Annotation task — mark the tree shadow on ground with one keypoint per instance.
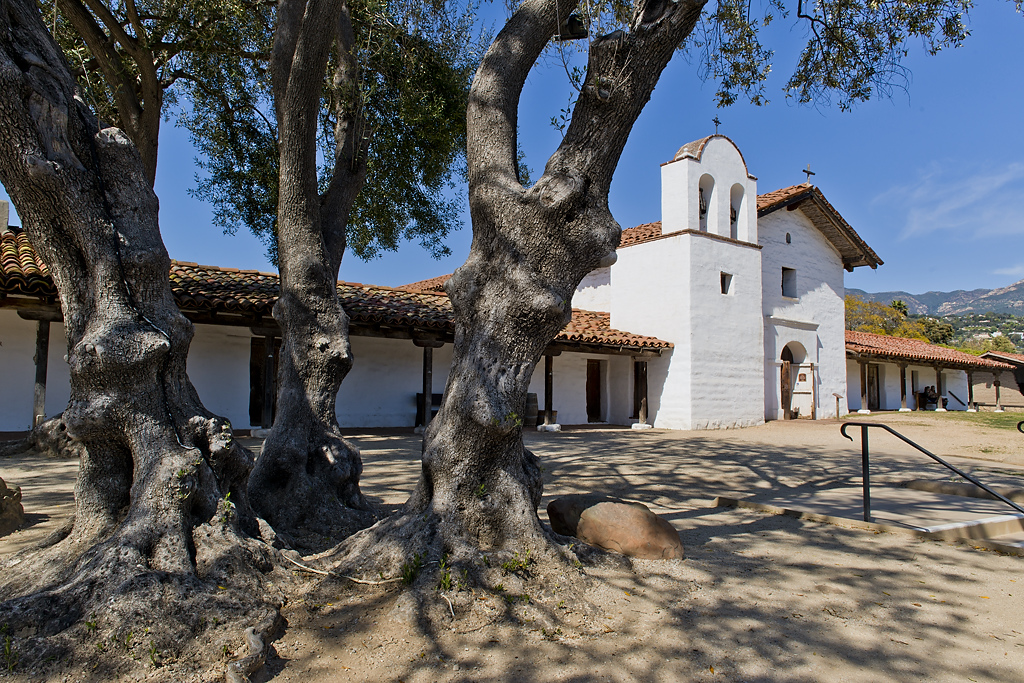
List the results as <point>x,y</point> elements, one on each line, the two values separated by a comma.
<point>759,597</point>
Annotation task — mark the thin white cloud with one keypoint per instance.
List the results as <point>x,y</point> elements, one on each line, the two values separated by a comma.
<point>974,203</point>
<point>1012,271</point>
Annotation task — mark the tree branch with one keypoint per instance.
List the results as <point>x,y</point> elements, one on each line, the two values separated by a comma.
<point>117,31</point>
<point>494,97</point>
<point>109,62</point>
<point>350,140</point>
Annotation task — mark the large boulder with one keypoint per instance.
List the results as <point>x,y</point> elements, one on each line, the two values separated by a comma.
<point>12,514</point>
<point>627,528</point>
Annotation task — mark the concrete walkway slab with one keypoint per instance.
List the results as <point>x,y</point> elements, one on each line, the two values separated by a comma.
<point>924,513</point>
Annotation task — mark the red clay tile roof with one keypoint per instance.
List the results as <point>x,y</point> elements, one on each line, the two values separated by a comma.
<point>640,234</point>
<point>769,199</point>
<point>21,271</point>
<point>695,149</point>
<point>434,284</point>
<point>1003,355</point>
<point>897,348</point>
<point>208,289</point>
<point>593,327</point>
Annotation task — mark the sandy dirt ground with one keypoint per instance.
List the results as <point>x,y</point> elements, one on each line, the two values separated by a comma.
<point>758,598</point>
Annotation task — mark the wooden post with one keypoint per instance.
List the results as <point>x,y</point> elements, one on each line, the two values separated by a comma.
<point>642,388</point>
<point>971,408</point>
<point>903,388</point>
<point>814,392</point>
<point>995,383</point>
<point>549,381</point>
<point>863,387</point>
<point>269,378</point>
<point>938,390</point>
<point>42,352</point>
<point>428,384</point>
<point>428,346</point>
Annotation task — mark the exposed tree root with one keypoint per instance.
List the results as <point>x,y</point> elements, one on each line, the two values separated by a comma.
<point>115,614</point>
<point>50,439</point>
<point>452,584</point>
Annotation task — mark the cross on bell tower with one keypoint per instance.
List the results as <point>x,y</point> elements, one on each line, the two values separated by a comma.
<point>717,124</point>
<point>809,173</point>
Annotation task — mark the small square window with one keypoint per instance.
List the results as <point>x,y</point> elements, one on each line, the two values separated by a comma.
<point>726,283</point>
<point>789,282</point>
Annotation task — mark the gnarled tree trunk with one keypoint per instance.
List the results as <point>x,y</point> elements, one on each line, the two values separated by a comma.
<point>531,248</point>
<point>306,481</point>
<point>162,533</point>
<point>480,487</point>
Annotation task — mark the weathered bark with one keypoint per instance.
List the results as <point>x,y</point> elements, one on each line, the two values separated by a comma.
<point>531,248</point>
<point>306,481</point>
<point>162,514</point>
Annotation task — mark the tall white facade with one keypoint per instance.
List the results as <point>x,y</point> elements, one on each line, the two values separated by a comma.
<point>753,306</point>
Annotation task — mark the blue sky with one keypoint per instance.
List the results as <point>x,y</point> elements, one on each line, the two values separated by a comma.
<point>932,179</point>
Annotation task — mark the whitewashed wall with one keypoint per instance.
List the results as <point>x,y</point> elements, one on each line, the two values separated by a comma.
<point>386,375</point>
<point>594,292</point>
<point>814,319</point>
<point>569,387</point>
<point>218,366</point>
<point>727,345</point>
<point>18,372</point>
<point>651,296</point>
<point>671,289</point>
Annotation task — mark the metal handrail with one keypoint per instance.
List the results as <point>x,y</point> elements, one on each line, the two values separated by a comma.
<point>864,426</point>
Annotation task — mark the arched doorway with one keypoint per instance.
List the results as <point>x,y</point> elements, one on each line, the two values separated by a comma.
<point>793,354</point>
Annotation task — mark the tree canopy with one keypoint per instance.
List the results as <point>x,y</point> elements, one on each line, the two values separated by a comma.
<point>877,318</point>
<point>207,63</point>
<point>415,64</point>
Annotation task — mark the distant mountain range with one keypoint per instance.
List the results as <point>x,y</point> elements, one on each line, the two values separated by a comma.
<point>1004,300</point>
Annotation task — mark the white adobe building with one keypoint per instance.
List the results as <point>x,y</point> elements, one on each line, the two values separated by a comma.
<point>733,302</point>
<point>748,289</point>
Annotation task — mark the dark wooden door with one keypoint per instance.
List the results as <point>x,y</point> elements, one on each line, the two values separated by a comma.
<point>873,402</point>
<point>786,378</point>
<point>594,391</point>
<point>258,374</point>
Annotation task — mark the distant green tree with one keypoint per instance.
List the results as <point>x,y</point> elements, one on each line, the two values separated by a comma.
<point>877,318</point>
<point>979,346</point>
<point>898,306</point>
<point>937,331</point>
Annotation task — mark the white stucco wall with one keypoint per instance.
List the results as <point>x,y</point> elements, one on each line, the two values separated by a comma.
<point>595,292</point>
<point>218,365</point>
<point>386,375</point>
<point>651,296</point>
<point>814,319</point>
<point>569,387</point>
<point>671,289</point>
<point>18,372</point>
<point>727,344</point>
